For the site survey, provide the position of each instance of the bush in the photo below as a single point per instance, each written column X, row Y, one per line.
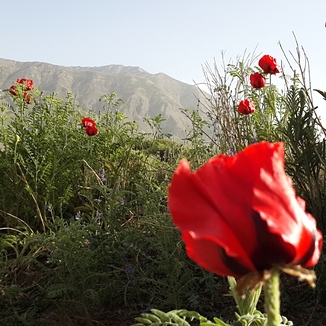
column 85, row 226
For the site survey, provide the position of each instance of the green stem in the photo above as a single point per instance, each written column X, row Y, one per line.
column 272, row 298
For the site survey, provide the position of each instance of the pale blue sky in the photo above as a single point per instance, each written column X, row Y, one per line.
column 172, row 36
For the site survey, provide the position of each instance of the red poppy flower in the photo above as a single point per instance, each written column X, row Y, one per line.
column 27, row 98
column 257, row 80
column 268, row 64
column 91, row 130
column 28, row 83
column 12, row 90
column 246, row 107
column 88, row 122
column 240, row 214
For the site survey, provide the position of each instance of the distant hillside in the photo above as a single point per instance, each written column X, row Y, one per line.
column 145, row 94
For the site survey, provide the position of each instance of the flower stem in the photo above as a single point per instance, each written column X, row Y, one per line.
column 272, row 298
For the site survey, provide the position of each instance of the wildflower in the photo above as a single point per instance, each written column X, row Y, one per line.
column 240, row 214
column 246, row 107
column 268, row 64
column 27, row 98
column 91, row 131
column 90, row 126
column 12, row 90
column 26, row 86
column 88, row 122
column 78, row 215
column 129, row 269
column 257, row 80
column 101, row 174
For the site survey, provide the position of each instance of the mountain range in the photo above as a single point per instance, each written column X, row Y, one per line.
column 145, row 95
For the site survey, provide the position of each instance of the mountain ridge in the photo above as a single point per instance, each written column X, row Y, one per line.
column 146, row 95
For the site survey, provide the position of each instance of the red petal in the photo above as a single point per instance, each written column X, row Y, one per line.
column 88, row 122
column 283, row 212
column 91, row 130
column 209, row 254
column 204, row 203
column 316, row 252
column 243, row 208
column 12, row 90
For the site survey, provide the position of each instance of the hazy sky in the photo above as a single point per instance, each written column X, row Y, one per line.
column 172, row 36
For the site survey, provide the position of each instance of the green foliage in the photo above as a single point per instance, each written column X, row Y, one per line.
column 247, row 307
column 230, row 131
column 189, row 318
column 39, row 166
column 305, row 152
column 155, row 125
column 200, row 146
column 91, row 230
column 84, row 221
column 288, row 116
column 171, row 318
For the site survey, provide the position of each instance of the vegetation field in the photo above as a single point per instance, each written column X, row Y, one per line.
column 86, row 237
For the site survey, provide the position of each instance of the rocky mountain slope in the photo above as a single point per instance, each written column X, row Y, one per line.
column 146, row 95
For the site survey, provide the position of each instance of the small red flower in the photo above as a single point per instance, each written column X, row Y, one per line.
column 257, row 80
column 12, row 90
column 28, row 83
column 246, row 107
column 88, row 122
column 91, row 130
column 27, row 98
column 90, row 126
column 25, row 85
column 240, row 214
column 268, row 64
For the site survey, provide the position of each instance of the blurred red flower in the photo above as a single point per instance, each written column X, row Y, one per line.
column 28, row 83
column 88, row 122
column 240, row 213
column 90, row 126
column 246, row 107
column 12, row 90
column 91, row 130
column 257, row 80
column 268, row 64
column 28, row 99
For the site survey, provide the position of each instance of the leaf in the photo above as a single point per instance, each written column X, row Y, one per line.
column 151, row 317
column 143, row 320
column 180, row 321
column 162, row 315
column 323, row 94
column 217, row 322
